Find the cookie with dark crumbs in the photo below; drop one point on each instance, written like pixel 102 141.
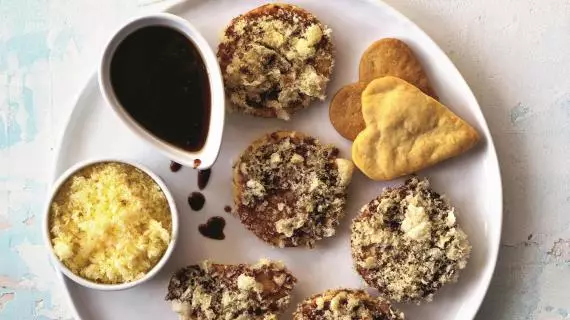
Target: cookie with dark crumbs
pixel 344 304
pixel 275 60
pixel 212 291
pixel 290 189
pixel 406 243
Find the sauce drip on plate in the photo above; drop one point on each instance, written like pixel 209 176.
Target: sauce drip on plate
pixel 203 178
pixel 213 228
pixel 175 166
pixel 196 201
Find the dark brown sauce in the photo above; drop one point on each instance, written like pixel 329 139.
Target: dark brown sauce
pixel 203 178
pixel 197 163
pixel 161 80
pixel 228 209
pixel 175 166
pixel 196 201
pixel 213 228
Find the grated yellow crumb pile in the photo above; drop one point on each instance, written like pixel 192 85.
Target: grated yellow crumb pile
pixel 110 223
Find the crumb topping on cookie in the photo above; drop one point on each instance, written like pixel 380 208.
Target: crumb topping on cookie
pixel 407 243
pixel 292 189
pixel 275 60
pixel 346 304
pixel 231 292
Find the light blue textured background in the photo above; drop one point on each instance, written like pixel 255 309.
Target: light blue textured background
pixel 515 54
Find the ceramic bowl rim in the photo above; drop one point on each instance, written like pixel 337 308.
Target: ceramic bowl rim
pixel 101 286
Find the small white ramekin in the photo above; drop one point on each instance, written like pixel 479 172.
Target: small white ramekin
pixel 208 154
pixel 99 286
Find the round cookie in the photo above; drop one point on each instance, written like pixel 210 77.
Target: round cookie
pixel 345 110
pixel 290 190
pixel 346 304
pixel 223 291
pixel 275 60
pixel 406 243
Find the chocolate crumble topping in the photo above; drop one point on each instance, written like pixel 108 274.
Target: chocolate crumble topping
pixel 346 304
pixel 213 291
pixel 290 190
pixel 407 244
pixel 275 60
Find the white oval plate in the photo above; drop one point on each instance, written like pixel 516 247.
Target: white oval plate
pixel 472 181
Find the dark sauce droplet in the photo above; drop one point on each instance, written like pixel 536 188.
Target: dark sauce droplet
pixel 175 166
pixel 160 79
pixel 196 201
pixel 197 163
pixel 203 178
pixel 228 209
pixel 213 228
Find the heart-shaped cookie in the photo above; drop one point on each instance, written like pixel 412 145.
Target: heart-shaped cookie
pixel 393 57
pixel 385 57
pixel 345 110
pixel 406 131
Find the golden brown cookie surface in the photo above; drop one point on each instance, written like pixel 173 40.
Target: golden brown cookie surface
pixel 290 190
pixel 275 60
pixel 218 291
pixel 345 110
pixel 406 131
pixel 393 57
pixel 346 304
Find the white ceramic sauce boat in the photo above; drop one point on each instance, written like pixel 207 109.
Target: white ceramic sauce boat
pixel 206 156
